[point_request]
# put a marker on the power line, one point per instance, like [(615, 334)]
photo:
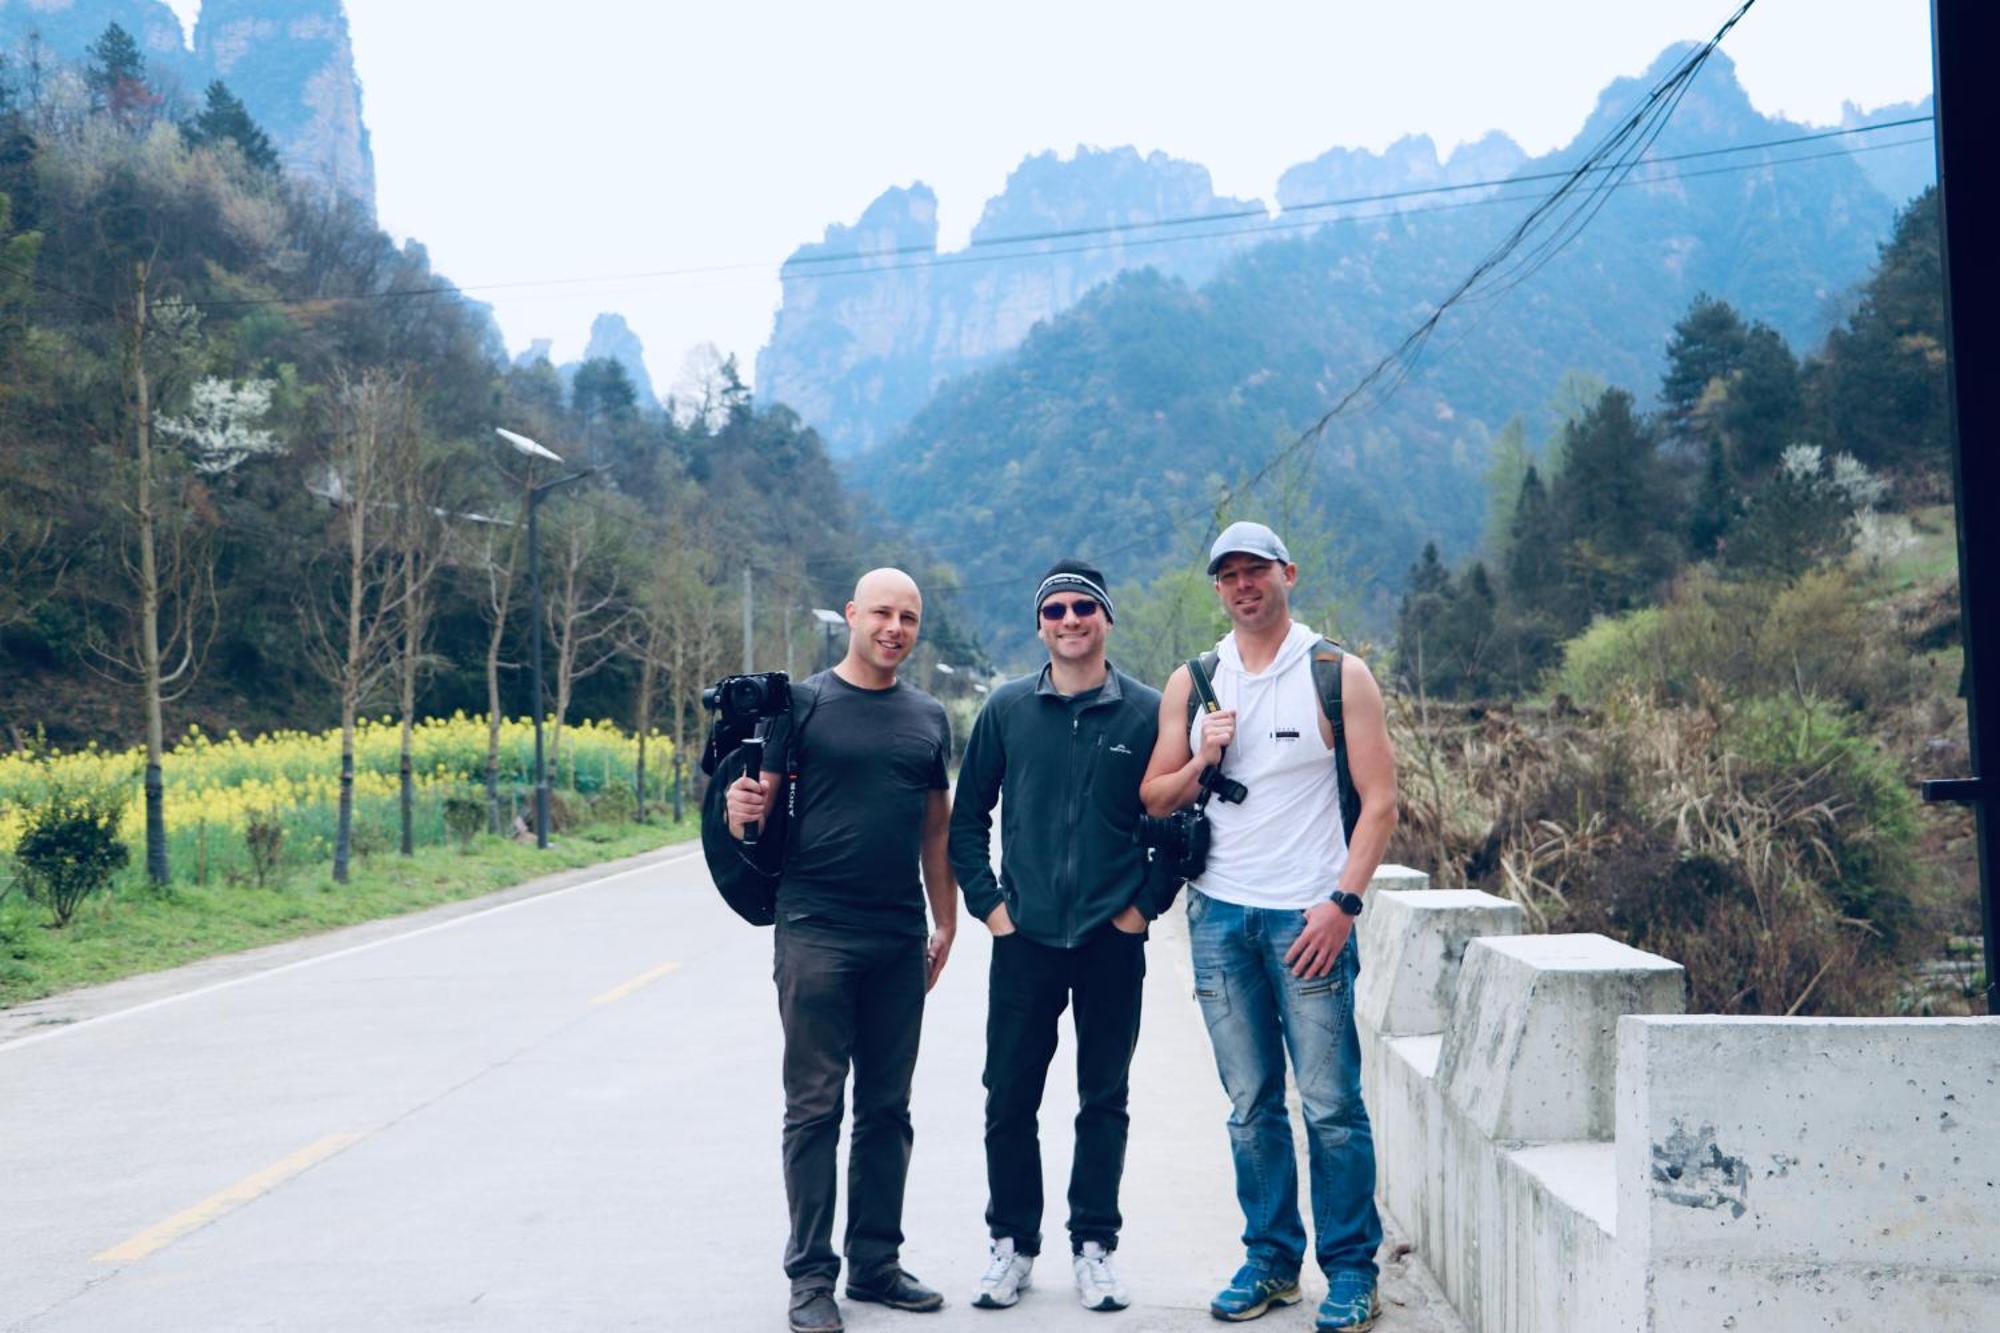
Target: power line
[(921, 257), (1663, 177), (1548, 228)]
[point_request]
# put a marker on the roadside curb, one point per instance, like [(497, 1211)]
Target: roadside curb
[(55, 1013)]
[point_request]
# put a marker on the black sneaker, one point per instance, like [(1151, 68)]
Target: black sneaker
[(897, 1290), (814, 1312)]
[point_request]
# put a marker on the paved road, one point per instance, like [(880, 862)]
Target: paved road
[(561, 1113)]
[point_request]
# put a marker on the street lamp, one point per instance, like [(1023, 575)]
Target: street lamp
[(527, 448), (829, 621)]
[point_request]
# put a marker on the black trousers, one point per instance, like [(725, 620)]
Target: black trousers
[(1028, 989), (847, 998)]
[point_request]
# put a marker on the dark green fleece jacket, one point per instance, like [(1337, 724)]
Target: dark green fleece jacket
[(1066, 773)]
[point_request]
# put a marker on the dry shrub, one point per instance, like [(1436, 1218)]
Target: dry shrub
[(1760, 844)]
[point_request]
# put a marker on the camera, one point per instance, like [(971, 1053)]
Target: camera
[(744, 701), (743, 707), (1181, 839)]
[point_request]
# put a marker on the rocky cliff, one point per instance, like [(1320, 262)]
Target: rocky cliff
[(874, 318), (290, 61)]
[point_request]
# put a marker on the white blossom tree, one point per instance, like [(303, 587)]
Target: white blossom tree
[(221, 429)]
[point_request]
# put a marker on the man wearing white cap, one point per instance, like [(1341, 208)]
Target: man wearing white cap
[(1300, 724)]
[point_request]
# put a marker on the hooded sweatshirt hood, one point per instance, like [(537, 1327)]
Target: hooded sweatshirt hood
[(1284, 846), (1299, 641)]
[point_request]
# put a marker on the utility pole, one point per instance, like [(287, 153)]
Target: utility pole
[(536, 494), (748, 623), (1964, 34)]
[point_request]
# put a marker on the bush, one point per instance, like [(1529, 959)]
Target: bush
[(1615, 655), (465, 817), (1820, 635), (1866, 824), (69, 848), (264, 838)]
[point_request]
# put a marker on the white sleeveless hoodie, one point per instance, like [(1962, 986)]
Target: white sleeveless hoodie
[(1284, 846)]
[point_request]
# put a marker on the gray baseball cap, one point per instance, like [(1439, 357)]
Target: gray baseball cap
[(1248, 539)]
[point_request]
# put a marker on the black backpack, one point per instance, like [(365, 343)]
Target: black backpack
[(1326, 662), (747, 877)]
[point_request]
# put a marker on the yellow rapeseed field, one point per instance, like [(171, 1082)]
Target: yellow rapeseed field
[(215, 785)]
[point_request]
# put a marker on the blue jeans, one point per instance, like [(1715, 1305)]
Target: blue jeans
[(1256, 1010)]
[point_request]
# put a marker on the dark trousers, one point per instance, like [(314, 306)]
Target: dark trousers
[(847, 998), (1028, 989)]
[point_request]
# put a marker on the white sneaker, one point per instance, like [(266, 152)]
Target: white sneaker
[(1006, 1276), (1097, 1284)]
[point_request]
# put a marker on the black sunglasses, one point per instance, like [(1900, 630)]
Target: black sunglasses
[(1084, 608)]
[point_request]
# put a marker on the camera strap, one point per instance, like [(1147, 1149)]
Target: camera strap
[(1205, 691)]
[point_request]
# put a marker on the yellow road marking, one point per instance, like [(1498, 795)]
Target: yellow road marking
[(163, 1234), (637, 983)]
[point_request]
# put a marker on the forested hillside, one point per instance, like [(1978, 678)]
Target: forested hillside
[(1114, 425), (291, 62), (1686, 692), (247, 453)]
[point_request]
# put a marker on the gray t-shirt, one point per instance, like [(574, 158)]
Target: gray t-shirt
[(868, 761)]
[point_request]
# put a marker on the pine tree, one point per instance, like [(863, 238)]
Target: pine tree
[(1879, 393), (116, 74), (1616, 513), (1466, 635), (224, 118), (1707, 344), (1715, 505), (1762, 412), (1532, 567), (1420, 619)]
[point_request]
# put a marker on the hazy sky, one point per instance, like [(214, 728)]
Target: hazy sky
[(525, 140)]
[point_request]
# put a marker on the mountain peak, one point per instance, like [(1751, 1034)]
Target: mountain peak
[(901, 218)]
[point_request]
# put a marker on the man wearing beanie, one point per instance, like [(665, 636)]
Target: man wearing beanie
[(1065, 748)]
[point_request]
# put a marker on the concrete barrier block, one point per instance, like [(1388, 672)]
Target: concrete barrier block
[(1777, 1171), (1411, 946), (1398, 877), (1531, 1048)]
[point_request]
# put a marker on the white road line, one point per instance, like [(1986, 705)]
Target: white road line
[(54, 1033)]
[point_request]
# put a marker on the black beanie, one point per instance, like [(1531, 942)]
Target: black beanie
[(1073, 576)]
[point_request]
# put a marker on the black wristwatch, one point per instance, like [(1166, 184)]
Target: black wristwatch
[(1349, 903)]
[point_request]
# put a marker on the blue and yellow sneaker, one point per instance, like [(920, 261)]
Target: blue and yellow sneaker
[(1255, 1290), (1350, 1305)]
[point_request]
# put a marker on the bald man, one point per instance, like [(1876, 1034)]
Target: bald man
[(853, 961)]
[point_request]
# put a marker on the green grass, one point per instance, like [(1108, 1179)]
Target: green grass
[(133, 929)]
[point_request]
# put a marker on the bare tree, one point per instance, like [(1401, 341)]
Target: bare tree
[(584, 613), (32, 565), (170, 560), (352, 622), (421, 530), (645, 637), (500, 561), (696, 617)]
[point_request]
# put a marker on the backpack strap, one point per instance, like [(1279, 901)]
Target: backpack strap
[(1327, 661), (790, 758), (1208, 662)]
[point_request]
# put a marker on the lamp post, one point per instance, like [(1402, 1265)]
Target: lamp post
[(536, 494)]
